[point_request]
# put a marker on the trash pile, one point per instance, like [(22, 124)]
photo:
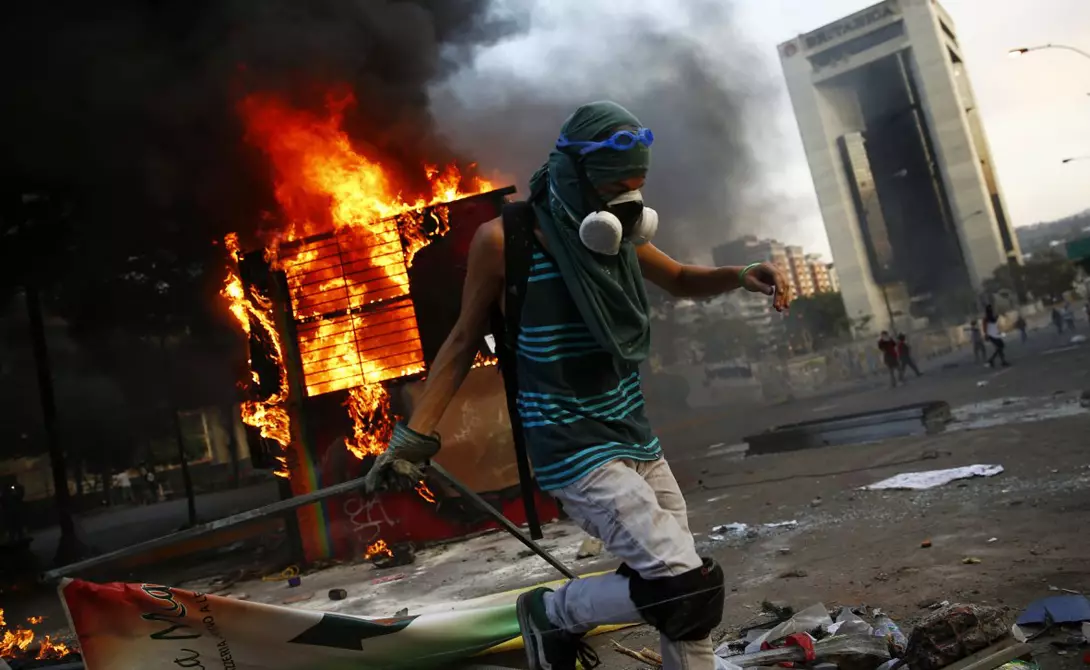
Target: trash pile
[(956, 637), (1063, 620)]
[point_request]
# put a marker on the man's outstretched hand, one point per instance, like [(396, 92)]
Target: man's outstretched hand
[(399, 467), (768, 279)]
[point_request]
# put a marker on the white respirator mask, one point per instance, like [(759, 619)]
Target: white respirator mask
[(623, 218)]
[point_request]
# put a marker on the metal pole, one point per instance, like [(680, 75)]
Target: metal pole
[(889, 309), (201, 530), (69, 547), (501, 519), (289, 505), (1065, 47)]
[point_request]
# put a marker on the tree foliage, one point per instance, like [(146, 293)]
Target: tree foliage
[(1047, 276), (818, 320), (726, 339)]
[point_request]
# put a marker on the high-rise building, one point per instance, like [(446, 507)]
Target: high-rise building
[(820, 273), (899, 159), (801, 276)]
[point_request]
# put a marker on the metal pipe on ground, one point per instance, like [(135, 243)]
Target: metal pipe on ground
[(288, 505)]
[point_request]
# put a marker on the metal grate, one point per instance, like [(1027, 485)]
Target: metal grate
[(354, 317)]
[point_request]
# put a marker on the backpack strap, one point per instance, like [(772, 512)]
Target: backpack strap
[(518, 250)]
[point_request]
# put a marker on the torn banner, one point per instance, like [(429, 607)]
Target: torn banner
[(149, 627)]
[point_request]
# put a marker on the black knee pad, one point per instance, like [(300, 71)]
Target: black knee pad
[(685, 607)]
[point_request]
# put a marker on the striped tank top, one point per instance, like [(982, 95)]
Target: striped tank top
[(580, 406)]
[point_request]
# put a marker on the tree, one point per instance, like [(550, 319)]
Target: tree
[(817, 320), (1047, 275), (727, 339)]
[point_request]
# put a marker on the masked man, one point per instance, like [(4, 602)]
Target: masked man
[(585, 328)]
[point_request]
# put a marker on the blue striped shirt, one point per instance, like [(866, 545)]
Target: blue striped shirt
[(580, 406)]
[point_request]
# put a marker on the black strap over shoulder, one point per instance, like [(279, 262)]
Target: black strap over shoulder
[(518, 250)]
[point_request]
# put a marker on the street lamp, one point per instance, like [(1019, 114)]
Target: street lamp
[(1014, 53)]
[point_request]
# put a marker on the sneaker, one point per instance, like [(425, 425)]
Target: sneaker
[(548, 647)]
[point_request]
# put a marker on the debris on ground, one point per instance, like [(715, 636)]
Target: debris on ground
[(919, 481), (926, 544), (644, 655), (953, 633), (723, 531), (395, 557), (1056, 610), (971, 560), (589, 548), (337, 594), (954, 637)]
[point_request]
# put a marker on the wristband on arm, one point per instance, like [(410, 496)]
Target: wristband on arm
[(742, 274)]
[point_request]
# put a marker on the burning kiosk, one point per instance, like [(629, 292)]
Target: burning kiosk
[(343, 326)]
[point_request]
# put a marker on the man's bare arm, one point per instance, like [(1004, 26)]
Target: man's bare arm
[(698, 281), (483, 286)]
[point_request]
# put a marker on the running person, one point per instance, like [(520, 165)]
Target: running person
[(584, 330)]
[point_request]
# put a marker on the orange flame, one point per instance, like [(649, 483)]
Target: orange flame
[(253, 310), (424, 492), (372, 424), (349, 291), (51, 649), (17, 642), (377, 549)]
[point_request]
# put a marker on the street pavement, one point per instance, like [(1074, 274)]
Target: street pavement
[(106, 531)]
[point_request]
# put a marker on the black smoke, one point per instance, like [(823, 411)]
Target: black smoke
[(132, 104), (683, 67)]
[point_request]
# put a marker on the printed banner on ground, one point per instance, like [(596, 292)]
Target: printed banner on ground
[(151, 627)]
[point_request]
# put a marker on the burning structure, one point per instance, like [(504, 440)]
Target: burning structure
[(345, 307)]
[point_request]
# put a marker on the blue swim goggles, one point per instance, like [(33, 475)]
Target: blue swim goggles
[(622, 140)]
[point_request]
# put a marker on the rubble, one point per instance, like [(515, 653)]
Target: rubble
[(953, 637), (589, 548)]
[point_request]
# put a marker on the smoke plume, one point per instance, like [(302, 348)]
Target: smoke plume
[(679, 65), (131, 104)]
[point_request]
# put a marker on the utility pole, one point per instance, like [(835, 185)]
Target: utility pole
[(69, 548)]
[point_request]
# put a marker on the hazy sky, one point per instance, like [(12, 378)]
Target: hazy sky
[(1036, 109)]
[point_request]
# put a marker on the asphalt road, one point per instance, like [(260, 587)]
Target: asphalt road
[(690, 439), (109, 530)]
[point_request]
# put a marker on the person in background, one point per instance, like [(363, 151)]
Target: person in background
[(991, 331), (889, 356), (980, 352), (1069, 316), (147, 484), (904, 355), (1058, 321), (1020, 324), (122, 483)]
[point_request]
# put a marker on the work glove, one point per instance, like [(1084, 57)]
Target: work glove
[(400, 466)]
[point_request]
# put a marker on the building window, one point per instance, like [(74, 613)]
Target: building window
[(949, 31)]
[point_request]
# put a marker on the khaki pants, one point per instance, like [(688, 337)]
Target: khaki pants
[(637, 510)]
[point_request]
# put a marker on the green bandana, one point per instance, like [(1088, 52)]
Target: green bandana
[(608, 290)]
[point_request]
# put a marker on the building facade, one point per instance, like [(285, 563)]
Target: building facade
[(900, 161)]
